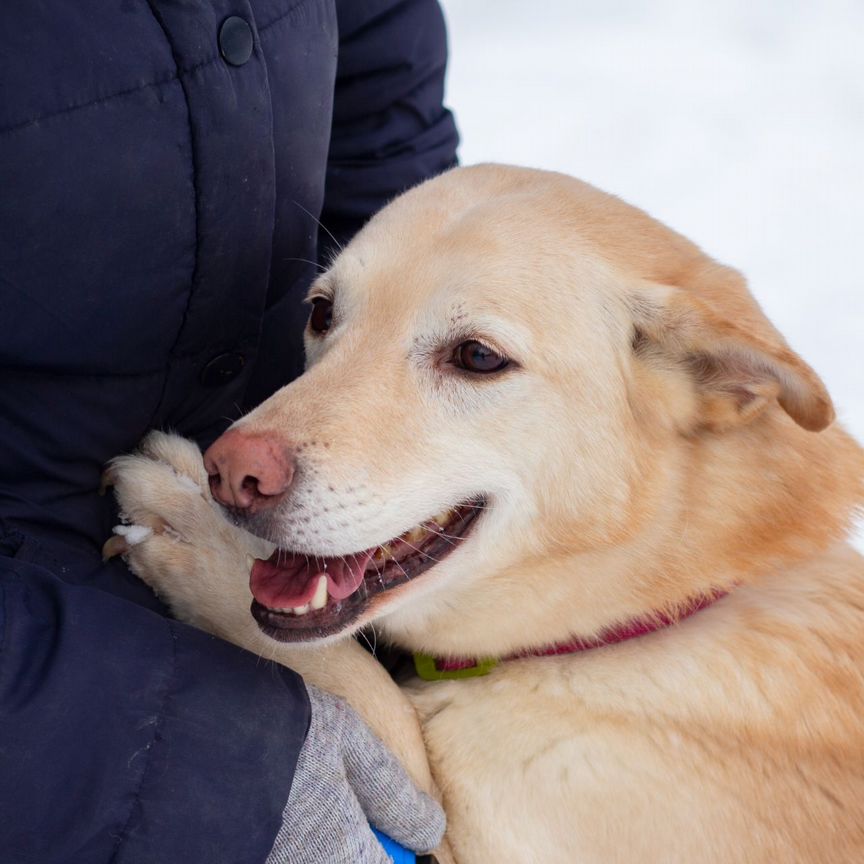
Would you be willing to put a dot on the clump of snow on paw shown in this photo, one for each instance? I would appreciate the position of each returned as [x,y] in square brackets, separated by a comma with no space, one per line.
[134,534]
[187,483]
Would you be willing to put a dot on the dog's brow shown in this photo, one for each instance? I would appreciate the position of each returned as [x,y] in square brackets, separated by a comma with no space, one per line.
[512,335]
[324,285]
[461,323]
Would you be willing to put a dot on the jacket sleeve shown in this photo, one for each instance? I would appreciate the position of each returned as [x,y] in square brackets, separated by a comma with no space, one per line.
[131,738]
[390,127]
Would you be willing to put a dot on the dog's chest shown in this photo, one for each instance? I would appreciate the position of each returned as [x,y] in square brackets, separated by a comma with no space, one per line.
[514,759]
[534,769]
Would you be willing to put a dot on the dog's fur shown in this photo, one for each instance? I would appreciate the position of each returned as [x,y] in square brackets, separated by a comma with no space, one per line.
[654,439]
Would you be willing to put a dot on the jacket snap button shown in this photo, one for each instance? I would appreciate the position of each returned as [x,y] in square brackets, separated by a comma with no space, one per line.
[235,40]
[221,369]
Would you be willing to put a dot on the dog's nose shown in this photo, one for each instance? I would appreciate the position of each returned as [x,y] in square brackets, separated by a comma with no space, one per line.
[249,472]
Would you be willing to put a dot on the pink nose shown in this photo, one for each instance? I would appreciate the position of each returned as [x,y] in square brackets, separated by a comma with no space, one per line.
[250,472]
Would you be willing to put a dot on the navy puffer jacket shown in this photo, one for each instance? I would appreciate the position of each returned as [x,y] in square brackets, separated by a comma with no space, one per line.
[159,172]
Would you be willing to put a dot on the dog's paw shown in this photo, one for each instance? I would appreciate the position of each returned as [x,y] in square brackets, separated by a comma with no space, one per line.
[176,538]
[161,488]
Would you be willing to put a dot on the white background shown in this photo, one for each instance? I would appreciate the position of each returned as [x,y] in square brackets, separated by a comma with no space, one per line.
[739,123]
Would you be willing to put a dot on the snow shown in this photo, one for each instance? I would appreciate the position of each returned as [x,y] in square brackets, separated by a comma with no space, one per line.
[134,534]
[739,124]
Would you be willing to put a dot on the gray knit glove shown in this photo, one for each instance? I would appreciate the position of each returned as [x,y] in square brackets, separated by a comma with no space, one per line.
[345,779]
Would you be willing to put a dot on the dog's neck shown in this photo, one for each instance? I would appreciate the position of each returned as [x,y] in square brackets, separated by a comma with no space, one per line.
[432,668]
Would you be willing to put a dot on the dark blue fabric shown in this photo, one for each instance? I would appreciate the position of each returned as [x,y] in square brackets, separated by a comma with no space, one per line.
[156,212]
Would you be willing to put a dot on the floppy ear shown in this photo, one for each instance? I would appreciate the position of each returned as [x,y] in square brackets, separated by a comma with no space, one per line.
[738,371]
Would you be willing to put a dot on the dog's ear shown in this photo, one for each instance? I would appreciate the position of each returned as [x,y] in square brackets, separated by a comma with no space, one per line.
[739,369]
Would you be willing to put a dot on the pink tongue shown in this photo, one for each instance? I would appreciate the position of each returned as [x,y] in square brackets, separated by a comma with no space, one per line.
[287,580]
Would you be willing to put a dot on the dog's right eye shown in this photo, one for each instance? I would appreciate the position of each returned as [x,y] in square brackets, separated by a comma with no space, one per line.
[474,356]
[322,315]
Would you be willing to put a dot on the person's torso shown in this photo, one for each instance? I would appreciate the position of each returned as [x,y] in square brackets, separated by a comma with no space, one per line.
[158,185]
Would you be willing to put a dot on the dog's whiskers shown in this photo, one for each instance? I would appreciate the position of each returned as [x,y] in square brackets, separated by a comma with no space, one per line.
[450,538]
[399,565]
[319,267]
[321,225]
[420,551]
[377,571]
[373,646]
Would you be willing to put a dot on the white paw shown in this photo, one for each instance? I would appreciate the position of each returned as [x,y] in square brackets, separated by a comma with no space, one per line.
[175,536]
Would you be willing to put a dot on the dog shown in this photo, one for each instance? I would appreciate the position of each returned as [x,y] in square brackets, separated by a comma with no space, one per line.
[552,448]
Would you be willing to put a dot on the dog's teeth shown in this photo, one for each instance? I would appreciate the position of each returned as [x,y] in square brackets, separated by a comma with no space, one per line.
[383,553]
[415,535]
[443,518]
[250,561]
[319,599]
[300,610]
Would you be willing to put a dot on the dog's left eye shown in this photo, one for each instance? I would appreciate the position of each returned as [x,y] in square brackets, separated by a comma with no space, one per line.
[474,356]
[322,315]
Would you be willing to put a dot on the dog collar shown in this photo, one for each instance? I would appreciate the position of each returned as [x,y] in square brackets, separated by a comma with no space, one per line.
[431,668]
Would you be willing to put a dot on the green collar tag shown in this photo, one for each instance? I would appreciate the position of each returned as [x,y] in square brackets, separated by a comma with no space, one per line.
[427,668]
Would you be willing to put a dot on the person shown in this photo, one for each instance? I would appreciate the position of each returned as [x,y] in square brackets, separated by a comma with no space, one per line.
[164,169]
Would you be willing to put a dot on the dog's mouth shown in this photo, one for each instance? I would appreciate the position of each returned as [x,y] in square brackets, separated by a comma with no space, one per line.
[302,597]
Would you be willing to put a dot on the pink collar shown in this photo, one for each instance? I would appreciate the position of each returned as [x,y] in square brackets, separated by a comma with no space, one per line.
[436,668]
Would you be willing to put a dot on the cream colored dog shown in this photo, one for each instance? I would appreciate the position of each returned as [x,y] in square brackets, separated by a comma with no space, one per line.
[532,413]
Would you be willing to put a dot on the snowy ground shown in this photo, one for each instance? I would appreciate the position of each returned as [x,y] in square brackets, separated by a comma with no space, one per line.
[740,124]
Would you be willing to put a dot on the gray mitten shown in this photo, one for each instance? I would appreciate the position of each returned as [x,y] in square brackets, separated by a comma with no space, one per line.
[345,779]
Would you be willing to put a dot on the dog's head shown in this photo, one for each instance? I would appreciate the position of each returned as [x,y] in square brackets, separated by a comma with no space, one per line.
[508,371]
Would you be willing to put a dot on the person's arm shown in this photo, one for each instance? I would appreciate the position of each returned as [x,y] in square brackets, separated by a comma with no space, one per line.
[129,737]
[390,127]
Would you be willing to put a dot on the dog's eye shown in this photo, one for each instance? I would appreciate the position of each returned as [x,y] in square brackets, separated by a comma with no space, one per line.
[473,356]
[322,315]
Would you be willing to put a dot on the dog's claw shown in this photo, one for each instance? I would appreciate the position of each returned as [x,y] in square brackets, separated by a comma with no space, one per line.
[107,480]
[114,546]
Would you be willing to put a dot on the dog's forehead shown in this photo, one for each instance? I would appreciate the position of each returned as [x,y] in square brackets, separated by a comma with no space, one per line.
[499,210]
[452,292]
[501,250]
[495,253]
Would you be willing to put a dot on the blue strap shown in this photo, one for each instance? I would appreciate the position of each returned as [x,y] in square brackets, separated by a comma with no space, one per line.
[399,854]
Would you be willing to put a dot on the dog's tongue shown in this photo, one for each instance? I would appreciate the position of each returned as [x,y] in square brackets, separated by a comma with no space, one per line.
[286,579]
